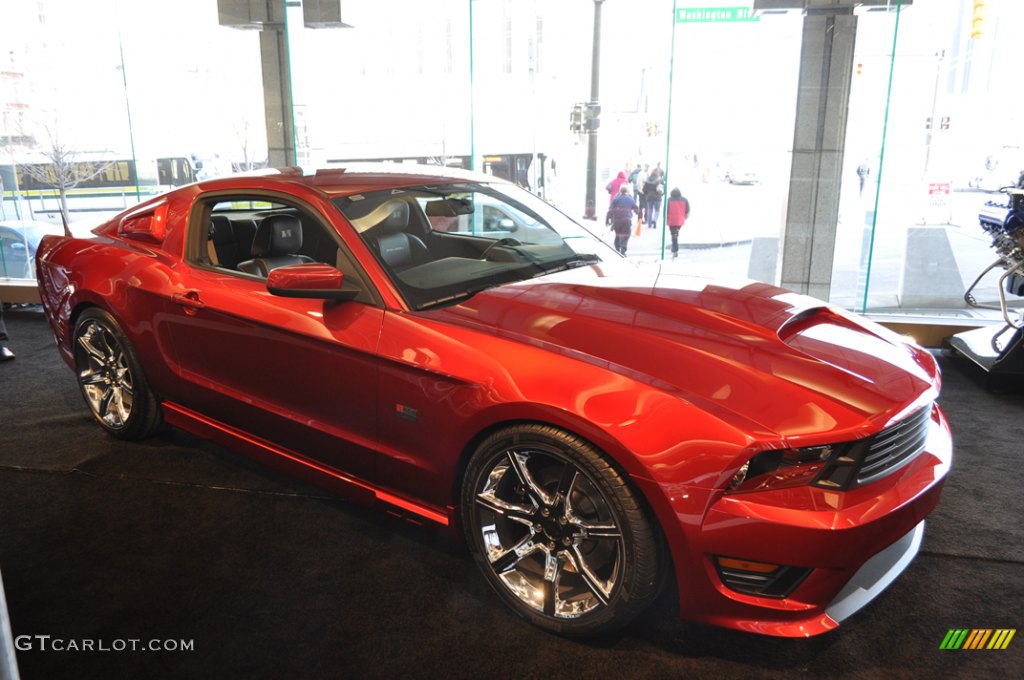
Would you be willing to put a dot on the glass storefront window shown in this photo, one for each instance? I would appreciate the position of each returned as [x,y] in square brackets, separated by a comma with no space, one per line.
[730,139]
[931,132]
[100,107]
[910,241]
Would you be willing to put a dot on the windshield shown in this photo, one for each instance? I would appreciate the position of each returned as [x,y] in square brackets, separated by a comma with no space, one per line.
[441,243]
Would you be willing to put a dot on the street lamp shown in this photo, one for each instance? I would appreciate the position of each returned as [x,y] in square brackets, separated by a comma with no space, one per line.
[595,78]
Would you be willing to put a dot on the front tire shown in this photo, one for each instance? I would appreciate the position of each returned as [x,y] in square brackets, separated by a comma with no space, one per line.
[111,379]
[557,531]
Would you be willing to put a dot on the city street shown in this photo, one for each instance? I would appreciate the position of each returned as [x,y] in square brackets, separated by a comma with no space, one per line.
[718,239]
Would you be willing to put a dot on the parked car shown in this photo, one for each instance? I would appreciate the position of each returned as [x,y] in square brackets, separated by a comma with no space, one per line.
[740,168]
[19,240]
[596,430]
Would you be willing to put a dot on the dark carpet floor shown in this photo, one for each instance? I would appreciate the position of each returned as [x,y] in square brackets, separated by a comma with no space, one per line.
[178,539]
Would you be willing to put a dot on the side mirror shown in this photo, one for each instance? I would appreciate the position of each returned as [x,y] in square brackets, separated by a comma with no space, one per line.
[507,225]
[309,281]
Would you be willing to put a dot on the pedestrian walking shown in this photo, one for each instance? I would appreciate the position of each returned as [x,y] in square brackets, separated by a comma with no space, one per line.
[632,179]
[638,190]
[620,217]
[613,187]
[654,190]
[676,213]
[863,172]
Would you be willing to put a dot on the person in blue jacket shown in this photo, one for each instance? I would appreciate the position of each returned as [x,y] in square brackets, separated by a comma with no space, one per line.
[620,217]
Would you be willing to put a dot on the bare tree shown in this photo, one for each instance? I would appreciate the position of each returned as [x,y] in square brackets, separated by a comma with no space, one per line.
[65,170]
[243,137]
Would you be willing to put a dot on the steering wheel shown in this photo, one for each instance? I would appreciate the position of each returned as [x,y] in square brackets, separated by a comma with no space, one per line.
[507,241]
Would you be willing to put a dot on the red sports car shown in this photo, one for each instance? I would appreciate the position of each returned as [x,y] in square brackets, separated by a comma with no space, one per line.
[459,350]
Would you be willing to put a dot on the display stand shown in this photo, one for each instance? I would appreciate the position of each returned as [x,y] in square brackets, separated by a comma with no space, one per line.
[998,350]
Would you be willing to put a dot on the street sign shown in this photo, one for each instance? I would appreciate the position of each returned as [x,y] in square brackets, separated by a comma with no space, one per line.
[938,210]
[706,15]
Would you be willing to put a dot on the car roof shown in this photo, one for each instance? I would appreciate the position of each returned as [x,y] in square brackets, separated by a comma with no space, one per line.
[354,178]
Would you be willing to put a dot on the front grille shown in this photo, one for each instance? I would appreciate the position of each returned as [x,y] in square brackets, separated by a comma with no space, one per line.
[894,446]
[865,461]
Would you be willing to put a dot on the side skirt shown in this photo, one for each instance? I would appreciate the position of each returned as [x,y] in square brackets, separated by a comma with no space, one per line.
[298,465]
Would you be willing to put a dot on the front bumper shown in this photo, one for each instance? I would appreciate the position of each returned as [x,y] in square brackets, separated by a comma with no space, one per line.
[855,543]
[875,575]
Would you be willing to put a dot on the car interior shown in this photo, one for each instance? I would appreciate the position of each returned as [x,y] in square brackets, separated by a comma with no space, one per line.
[253,237]
[434,246]
[438,247]
[277,243]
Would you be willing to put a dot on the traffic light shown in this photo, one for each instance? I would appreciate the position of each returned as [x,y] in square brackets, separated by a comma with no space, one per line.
[978,19]
[591,117]
[860,69]
[576,118]
[585,117]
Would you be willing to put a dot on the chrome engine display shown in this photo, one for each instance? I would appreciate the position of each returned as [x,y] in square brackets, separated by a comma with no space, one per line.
[999,351]
[1004,222]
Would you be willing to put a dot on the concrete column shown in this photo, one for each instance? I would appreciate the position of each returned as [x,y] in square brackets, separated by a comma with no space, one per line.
[268,17]
[826,65]
[277,94]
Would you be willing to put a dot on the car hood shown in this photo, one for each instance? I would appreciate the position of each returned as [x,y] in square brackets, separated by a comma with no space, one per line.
[754,354]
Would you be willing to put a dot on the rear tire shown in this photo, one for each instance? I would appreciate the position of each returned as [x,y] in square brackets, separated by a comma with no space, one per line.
[558,532]
[111,379]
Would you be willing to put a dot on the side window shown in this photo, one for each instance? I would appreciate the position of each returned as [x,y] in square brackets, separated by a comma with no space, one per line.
[252,236]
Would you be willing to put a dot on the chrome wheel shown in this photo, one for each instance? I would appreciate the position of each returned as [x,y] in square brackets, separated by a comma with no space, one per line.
[549,533]
[104,374]
[111,378]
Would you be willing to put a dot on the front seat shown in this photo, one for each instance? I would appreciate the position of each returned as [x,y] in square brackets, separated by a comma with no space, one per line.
[277,240]
[398,249]
[222,248]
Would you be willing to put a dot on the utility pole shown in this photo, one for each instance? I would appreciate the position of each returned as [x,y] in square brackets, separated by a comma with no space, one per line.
[933,121]
[595,82]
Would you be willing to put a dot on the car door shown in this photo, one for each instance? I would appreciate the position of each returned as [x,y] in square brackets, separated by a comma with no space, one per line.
[301,373]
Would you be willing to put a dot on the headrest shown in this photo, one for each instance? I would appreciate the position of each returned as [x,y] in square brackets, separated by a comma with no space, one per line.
[277,235]
[220,230]
[396,218]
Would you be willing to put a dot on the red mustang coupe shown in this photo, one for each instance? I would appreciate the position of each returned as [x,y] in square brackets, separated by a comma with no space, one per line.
[457,349]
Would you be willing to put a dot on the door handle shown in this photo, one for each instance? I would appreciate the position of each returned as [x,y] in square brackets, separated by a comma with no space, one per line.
[190,301]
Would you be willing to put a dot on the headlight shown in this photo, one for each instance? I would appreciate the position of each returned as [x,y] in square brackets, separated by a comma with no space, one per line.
[781,468]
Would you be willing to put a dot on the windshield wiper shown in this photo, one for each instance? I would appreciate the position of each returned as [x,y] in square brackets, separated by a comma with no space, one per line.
[571,262]
[448,299]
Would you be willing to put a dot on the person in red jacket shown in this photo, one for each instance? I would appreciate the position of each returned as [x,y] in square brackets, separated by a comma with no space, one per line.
[614,186]
[678,211]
